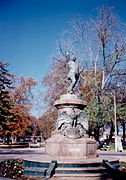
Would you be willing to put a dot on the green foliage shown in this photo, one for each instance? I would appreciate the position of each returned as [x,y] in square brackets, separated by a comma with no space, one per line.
[5,103]
[121,112]
[98,114]
[94,110]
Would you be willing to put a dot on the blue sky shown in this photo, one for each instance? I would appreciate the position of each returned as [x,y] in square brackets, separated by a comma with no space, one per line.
[29,30]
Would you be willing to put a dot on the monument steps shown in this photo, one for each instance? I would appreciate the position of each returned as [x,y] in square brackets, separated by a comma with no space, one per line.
[39,164]
[88,176]
[59,169]
[35,171]
[75,164]
[80,170]
[78,175]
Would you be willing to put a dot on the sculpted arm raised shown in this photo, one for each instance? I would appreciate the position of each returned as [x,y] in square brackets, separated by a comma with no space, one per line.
[73,74]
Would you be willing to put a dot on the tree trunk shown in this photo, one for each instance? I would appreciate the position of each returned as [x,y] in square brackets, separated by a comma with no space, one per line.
[124,127]
[14,139]
[117,130]
[90,132]
[8,138]
[111,132]
[4,139]
[96,133]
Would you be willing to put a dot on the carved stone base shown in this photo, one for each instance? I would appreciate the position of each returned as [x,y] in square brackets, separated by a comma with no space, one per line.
[62,148]
[72,121]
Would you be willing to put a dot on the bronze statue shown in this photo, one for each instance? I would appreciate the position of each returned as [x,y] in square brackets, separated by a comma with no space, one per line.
[73,74]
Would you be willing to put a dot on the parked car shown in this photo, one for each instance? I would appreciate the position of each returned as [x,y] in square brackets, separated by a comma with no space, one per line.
[35,141]
[35,144]
[29,139]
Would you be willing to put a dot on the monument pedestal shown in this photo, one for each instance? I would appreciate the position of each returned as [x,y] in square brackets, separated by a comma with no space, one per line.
[70,140]
[63,148]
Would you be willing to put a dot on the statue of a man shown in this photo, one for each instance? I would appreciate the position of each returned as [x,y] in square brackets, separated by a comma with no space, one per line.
[73,74]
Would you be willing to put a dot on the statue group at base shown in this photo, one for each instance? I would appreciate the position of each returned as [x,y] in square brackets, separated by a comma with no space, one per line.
[72,121]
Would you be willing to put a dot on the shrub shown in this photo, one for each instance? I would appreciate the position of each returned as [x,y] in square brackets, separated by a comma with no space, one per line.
[11,168]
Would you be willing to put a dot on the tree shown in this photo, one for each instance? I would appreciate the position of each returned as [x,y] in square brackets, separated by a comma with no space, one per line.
[107,49]
[46,123]
[6,105]
[15,103]
[100,44]
[121,107]
[22,98]
[55,83]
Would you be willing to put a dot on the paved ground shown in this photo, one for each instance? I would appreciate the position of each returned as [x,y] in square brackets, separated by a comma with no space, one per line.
[120,155]
[15,153]
[18,153]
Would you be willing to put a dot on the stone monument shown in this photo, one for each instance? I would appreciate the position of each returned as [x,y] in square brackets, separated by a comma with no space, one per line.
[70,139]
[70,154]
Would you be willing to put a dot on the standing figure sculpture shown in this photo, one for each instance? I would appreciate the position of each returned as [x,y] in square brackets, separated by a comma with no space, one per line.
[73,74]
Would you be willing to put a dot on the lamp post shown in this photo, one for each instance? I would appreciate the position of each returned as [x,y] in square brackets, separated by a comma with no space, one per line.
[115,122]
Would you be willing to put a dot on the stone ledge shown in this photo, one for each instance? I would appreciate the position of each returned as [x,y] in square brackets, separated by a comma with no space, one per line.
[70,102]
